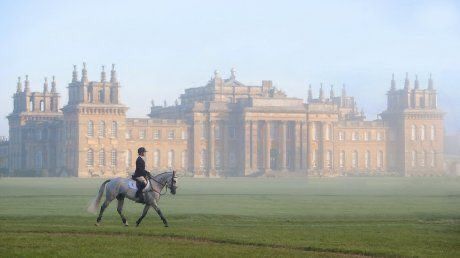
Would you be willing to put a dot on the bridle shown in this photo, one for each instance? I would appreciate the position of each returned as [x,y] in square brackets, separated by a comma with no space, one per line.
[163,185]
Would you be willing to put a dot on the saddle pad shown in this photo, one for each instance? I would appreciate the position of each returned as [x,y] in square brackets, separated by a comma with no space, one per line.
[132,184]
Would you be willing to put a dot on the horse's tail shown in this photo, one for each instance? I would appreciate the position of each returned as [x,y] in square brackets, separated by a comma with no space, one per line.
[92,207]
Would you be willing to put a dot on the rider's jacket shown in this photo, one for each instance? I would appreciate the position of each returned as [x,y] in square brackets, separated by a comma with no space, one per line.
[140,168]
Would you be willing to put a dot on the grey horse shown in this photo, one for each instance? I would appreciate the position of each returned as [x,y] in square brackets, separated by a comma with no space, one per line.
[119,188]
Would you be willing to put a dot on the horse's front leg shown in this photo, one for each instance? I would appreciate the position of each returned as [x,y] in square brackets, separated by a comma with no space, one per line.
[157,209]
[144,212]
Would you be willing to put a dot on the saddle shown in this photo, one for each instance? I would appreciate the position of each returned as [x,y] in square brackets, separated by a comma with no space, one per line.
[133,184]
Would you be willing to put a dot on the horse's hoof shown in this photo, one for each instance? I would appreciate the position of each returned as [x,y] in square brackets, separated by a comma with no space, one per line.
[126,225]
[96,224]
[166,225]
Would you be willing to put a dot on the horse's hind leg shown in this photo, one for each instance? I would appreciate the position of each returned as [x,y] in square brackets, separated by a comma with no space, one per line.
[108,199]
[121,200]
[157,209]
[144,212]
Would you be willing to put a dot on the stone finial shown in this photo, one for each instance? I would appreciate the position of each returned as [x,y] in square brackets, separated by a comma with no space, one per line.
[331,93]
[430,83]
[393,83]
[406,82]
[165,104]
[27,84]
[84,73]
[310,93]
[152,102]
[113,74]
[53,85]
[216,74]
[321,93]
[103,74]
[176,102]
[74,74]
[233,73]
[344,91]
[45,85]
[416,84]
[19,85]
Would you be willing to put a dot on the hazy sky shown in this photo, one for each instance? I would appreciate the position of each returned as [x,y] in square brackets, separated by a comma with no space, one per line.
[163,47]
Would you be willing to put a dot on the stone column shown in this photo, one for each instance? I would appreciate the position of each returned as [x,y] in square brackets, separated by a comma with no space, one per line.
[196,129]
[254,141]
[247,147]
[225,148]
[304,145]
[211,149]
[267,145]
[298,140]
[283,150]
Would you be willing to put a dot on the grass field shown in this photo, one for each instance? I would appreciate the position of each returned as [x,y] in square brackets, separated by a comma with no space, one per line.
[238,217]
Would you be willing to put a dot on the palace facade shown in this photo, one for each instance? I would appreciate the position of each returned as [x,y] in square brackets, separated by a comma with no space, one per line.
[224,128]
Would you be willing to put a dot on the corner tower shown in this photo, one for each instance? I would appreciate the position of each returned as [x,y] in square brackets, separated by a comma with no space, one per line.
[416,131]
[94,126]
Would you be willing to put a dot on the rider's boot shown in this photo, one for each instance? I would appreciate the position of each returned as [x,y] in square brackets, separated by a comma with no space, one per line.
[140,196]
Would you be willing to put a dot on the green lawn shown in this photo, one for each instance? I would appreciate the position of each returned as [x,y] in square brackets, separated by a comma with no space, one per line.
[238,217]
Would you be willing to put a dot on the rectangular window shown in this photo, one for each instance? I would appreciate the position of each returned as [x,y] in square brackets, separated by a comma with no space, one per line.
[184,134]
[157,134]
[171,135]
[142,134]
[114,158]
[232,132]
[379,136]
[129,134]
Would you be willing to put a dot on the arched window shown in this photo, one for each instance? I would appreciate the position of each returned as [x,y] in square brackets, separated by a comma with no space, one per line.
[423,159]
[90,157]
[342,159]
[422,132]
[170,158]
[367,136]
[414,158]
[129,158]
[184,159]
[433,159]
[42,106]
[380,159]
[102,157]
[114,158]
[314,132]
[432,133]
[203,158]
[39,159]
[327,132]
[314,159]
[218,159]
[101,129]
[341,136]
[413,132]
[217,132]
[114,130]
[354,159]
[328,159]
[355,136]
[31,105]
[203,130]
[156,159]
[367,159]
[90,129]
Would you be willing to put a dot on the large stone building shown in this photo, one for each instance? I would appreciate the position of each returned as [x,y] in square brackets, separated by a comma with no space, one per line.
[224,128]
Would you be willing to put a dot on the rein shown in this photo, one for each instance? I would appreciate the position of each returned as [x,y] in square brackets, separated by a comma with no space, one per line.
[162,186]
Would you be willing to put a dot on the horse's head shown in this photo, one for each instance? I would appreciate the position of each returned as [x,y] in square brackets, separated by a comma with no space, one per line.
[172,184]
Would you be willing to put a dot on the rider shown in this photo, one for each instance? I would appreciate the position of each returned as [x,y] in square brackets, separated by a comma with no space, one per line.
[140,175]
